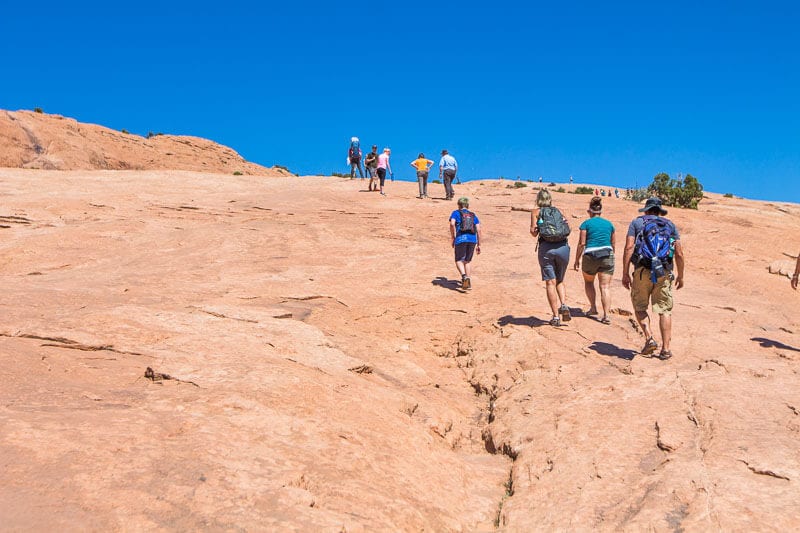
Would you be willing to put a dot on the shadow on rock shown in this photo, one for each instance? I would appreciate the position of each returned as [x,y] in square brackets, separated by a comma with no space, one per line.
[769,343]
[530,321]
[452,284]
[605,348]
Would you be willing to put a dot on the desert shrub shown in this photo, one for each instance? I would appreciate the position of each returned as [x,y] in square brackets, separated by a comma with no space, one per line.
[520,184]
[123,130]
[582,189]
[677,193]
[561,189]
[552,184]
[728,195]
[639,195]
[340,175]
[437,181]
[237,173]
[38,110]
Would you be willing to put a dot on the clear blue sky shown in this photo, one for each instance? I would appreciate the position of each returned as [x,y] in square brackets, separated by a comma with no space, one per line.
[609,92]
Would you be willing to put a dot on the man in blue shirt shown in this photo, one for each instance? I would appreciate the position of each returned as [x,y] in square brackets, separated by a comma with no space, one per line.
[448,168]
[465,234]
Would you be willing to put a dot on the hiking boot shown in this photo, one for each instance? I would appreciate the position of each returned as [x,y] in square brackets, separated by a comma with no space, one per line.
[664,355]
[466,283]
[649,347]
[564,312]
[555,321]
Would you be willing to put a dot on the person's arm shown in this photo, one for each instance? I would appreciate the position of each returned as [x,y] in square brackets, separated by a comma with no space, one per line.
[453,232]
[441,167]
[581,248]
[430,165]
[412,163]
[679,264]
[796,273]
[456,169]
[626,261]
[534,226]
[478,233]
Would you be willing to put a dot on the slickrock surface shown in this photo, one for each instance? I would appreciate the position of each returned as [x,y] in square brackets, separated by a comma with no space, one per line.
[312,365]
[53,142]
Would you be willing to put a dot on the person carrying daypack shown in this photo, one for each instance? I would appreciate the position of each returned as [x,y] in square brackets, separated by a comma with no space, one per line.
[371,166]
[551,228]
[654,249]
[354,158]
[465,234]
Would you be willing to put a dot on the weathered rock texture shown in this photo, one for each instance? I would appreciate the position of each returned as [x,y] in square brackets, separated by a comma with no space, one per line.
[312,365]
[42,141]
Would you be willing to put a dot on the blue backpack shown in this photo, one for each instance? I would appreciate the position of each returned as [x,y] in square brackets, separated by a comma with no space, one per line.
[354,154]
[653,247]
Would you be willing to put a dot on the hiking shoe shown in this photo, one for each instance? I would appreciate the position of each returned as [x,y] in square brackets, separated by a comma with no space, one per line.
[555,321]
[466,283]
[605,320]
[664,355]
[649,347]
[564,312]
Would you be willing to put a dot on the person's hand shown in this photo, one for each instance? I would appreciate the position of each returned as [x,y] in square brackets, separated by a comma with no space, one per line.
[626,281]
[679,282]
[576,266]
[794,282]
[453,242]
[478,250]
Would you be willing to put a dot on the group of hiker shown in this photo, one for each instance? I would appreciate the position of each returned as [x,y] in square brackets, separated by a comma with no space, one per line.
[652,248]
[377,165]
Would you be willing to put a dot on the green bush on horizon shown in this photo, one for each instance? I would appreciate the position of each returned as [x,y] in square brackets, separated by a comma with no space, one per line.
[438,182]
[677,193]
[728,195]
[582,189]
[237,173]
[38,110]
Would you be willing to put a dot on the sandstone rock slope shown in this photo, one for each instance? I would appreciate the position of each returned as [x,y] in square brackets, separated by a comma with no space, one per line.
[194,351]
[43,141]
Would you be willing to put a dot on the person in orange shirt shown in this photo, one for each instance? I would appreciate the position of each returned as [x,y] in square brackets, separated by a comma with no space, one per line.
[423,166]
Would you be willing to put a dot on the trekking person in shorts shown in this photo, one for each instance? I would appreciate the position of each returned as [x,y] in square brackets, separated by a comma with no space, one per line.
[550,227]
[448,168]
[465,234]
[596,248]
[354,158]
[371,166]
[422,166]
[383,166]
[796,273]
[653,247]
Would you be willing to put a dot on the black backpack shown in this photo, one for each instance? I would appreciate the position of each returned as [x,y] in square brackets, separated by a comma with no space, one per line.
[467,224]
[552,225]
[355,157]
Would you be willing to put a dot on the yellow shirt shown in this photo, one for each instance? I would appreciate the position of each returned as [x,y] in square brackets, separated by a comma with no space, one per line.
[422,164]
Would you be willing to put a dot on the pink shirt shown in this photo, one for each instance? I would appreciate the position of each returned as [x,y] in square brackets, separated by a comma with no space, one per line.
[383,161]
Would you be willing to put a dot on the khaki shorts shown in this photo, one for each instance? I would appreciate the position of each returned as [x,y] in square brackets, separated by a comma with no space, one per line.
[644,291]
[590,265]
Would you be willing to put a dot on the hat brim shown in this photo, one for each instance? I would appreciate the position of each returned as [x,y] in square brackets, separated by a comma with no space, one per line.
[592,211]
[661,212]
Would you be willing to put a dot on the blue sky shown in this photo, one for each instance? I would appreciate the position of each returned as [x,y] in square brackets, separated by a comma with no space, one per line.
[610,92]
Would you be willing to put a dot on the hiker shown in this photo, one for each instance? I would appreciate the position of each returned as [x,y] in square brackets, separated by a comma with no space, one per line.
[596,191]
[596,247]
[616,193]
[465,234]
[552,230]
[796,273]
[383,166]
[354,158]
[653,245]
[570,180]
[423,166]
[448,168]
[371,166]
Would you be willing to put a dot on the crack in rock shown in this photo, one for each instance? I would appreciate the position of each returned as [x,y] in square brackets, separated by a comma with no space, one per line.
[763,472]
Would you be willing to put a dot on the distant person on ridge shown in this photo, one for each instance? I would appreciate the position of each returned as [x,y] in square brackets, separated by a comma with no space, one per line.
[596,248]
[652,246]
[354,158]
[423,166]
[448,169]
[371,166]
[465,234]
[551,228]
[383,166]
[796,273]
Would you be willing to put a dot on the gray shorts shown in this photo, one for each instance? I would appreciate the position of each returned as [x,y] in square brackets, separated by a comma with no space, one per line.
[592,265]
[554,260]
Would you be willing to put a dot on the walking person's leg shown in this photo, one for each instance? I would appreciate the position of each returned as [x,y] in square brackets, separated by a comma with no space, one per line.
[382,178]
[641,290]
[419,182]
[425,185]
[591,294]
[605,293]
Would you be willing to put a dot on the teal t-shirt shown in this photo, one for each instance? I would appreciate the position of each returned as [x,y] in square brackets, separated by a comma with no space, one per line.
[598,232]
